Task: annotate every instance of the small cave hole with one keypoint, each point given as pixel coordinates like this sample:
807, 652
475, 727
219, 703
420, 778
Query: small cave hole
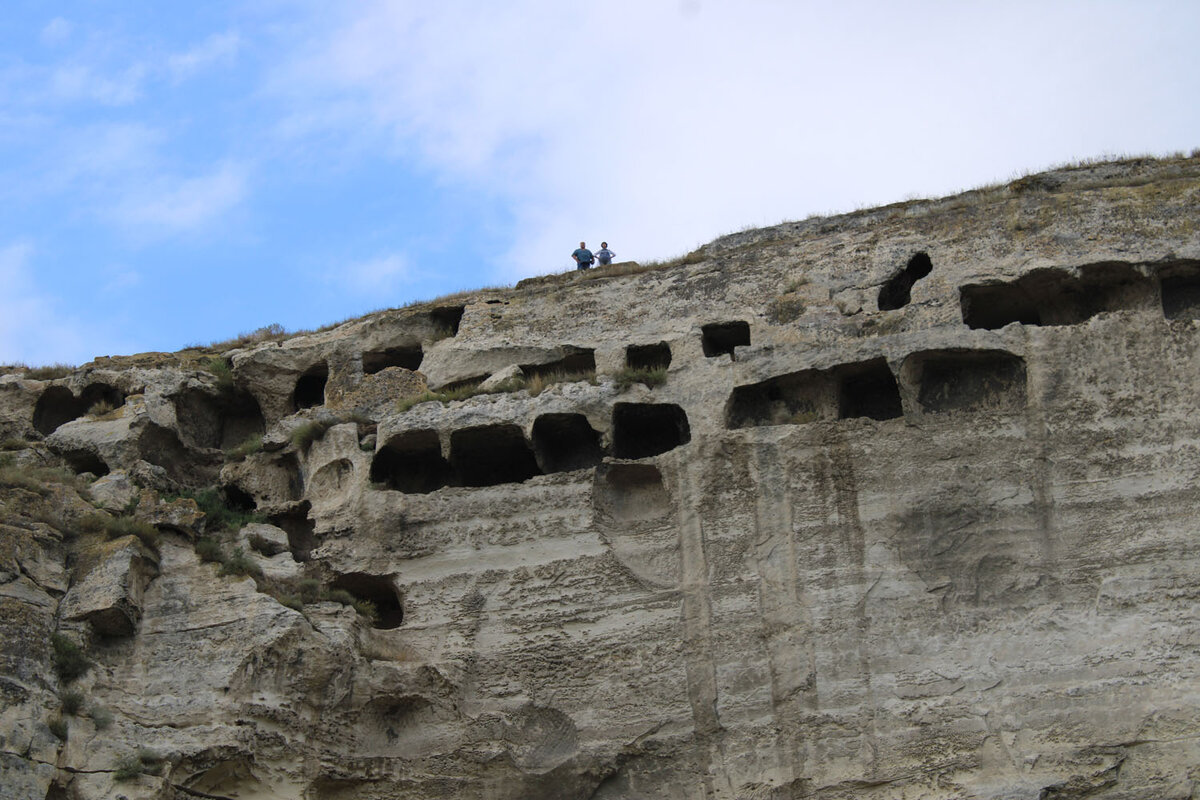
238, 499
310, 388
488, 455
101, 393
1180, 285
447, 319
565, 442
648, 356
896, 292
868, 389
631, 492
81, 461
641, 430
580, 361
991, 307
792, 399
217, 420
301, 531
720, 338
409, 358
56, 406
411, 462
379, 590
966, 380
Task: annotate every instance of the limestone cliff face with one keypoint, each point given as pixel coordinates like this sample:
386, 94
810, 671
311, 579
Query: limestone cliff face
899, 504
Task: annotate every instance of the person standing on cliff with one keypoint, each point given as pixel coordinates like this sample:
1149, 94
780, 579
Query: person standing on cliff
604, 256
583, 257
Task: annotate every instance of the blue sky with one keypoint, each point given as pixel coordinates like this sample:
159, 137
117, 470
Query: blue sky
180, 173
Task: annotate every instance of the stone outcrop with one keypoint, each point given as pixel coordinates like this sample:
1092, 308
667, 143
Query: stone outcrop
900, 503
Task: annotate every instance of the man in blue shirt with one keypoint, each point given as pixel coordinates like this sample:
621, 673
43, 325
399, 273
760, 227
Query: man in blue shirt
583, 257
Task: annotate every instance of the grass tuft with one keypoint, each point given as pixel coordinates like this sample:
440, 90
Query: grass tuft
49, 373
218, 515
238, 563
309, 432
58, 726
70, 662
72, 701
252, 445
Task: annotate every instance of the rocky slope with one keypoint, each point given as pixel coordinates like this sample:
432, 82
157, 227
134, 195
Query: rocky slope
897, 504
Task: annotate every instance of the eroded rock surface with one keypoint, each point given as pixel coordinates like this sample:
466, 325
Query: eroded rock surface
899, 504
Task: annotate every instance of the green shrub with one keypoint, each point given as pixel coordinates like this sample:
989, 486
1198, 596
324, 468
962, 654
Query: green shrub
131, 765
102, 718
221, 369
218, 515
58, 726
367, 609
70, 662
129, 526
309, 590
261, 544
249, 447
648, 376
339, 596
309, 432
209, 550
72, 701
292, 601
35, 479
238, 563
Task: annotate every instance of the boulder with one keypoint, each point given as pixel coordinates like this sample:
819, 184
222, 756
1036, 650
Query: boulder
108, 589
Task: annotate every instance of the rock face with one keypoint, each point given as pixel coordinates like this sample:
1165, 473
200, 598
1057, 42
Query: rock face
899, 504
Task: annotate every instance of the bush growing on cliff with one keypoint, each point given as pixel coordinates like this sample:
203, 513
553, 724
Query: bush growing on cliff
116, 527
144, 762
49, 372
58, 726
218, 515
238, 563
72, 701
70, 662
309, 432
249, 447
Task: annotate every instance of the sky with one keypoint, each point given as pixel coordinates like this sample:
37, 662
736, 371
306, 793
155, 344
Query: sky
179, 173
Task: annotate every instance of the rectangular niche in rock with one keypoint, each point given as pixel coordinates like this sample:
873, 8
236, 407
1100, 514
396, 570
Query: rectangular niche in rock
648, 356
406, 356
967, 381
578, 362
411, 462
446, 320
720, 338
488, 455
565, 442
641, 430
631, 492
846, 391
1181, 290
1056, 296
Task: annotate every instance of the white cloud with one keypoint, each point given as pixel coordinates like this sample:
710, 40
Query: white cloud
657, 126
377, 276
33, 329
169, 205
79, 81
220, 48
56, 32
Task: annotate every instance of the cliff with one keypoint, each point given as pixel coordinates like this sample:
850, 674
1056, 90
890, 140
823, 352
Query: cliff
896, 504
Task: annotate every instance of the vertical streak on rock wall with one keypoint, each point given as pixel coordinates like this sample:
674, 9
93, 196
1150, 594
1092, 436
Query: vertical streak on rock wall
697, 621
1041, 385
840, 478
786, 618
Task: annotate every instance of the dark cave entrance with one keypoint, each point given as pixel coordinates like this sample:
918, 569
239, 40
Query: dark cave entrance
648, 356
720, 338
488, 455
868, 389
310, 387
565, 442
411, 462
407, 357
896, 292
641, 430
379, 590
580, 361
447, 319
968, 380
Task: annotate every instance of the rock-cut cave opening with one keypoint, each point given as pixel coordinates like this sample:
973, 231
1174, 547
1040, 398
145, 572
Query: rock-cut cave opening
641, 430
720, 338
565, 442
411, 462
487, 455
310, 387
379, 590
896, 292
648, 356
968, 380
868, 389
407, 356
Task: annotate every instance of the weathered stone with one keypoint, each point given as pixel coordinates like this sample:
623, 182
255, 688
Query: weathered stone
107, 592
911, 514
501, 378
114, 491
